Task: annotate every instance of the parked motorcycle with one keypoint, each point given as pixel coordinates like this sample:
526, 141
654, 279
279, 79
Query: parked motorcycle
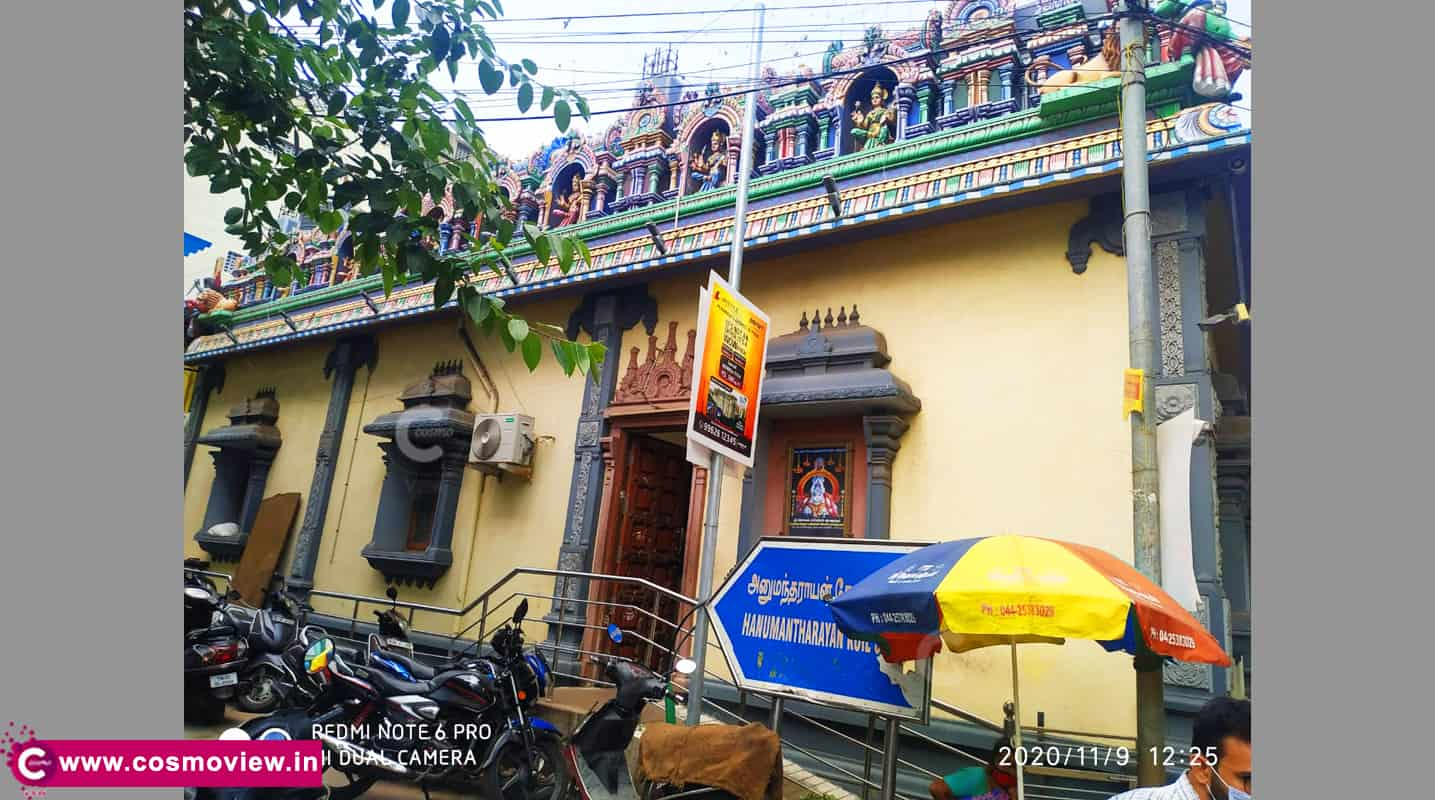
214, 648
274, 675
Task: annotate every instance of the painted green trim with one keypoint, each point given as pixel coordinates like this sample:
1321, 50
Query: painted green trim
1061, 16
1167, 87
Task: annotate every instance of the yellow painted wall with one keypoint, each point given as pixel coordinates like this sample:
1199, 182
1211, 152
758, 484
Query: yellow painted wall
1018, 365
1017, 361
296, 373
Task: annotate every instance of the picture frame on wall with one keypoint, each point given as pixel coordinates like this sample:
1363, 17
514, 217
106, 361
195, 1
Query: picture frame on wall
819, 491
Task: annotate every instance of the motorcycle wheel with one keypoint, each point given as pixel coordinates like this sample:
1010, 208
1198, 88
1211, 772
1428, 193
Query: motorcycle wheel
515, 777
260, 693
548, 773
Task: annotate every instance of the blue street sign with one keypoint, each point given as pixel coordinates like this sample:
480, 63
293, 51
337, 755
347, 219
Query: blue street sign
780, 636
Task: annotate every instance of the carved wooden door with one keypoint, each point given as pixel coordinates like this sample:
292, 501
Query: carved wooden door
652, 521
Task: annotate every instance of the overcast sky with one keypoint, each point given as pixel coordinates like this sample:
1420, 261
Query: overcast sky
603, 59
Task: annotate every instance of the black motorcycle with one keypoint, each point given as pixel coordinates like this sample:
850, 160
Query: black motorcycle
215, 650
274, 676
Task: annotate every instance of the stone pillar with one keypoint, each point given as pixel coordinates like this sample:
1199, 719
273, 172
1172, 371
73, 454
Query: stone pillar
824, 126
450, 483
210, 378
924, 103
1178, 236
949, 97
604, 317
904, 107
881, 433
259, 465
343, 362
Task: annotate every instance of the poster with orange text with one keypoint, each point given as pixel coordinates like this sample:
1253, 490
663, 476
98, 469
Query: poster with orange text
727, 375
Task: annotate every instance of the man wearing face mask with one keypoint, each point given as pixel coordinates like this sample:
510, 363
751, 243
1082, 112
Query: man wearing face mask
1220, 765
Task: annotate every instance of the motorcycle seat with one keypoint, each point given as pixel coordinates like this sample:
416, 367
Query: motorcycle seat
415, 667
391, 685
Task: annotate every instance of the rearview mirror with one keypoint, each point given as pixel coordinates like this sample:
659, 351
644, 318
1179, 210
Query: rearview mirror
687, 666
521, 612
391, 593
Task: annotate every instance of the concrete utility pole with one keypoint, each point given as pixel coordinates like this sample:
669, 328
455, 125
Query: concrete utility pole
1140, 297
734, 277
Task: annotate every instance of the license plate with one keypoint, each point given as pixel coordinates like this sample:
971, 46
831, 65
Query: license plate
226, 679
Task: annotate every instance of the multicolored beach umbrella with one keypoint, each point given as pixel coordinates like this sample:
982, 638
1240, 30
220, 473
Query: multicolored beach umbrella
1009, 590
995, 590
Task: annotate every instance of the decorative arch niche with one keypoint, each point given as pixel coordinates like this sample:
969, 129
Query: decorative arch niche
698, 144
564, 194
859, 88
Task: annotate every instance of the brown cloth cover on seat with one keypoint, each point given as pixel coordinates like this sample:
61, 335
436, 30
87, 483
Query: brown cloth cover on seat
745, 761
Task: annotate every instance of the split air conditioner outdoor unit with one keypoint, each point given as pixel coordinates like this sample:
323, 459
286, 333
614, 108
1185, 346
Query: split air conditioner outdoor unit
502, 441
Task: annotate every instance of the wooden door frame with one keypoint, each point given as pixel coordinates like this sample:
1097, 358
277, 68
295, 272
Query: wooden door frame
624, 425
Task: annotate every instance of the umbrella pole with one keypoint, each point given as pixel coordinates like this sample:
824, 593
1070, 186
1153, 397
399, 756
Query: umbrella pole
1018, 755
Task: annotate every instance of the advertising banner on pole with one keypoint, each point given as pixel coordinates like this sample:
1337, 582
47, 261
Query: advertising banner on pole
727, 374
780, 637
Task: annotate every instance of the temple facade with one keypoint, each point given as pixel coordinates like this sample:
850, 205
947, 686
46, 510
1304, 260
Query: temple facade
951, 343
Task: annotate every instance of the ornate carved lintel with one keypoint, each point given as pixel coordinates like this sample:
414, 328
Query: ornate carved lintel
1192, 676
1101, 227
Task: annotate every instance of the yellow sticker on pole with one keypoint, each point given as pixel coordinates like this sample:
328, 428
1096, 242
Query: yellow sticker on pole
1133, 393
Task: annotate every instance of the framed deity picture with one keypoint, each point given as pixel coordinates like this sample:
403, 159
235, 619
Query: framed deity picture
818, 494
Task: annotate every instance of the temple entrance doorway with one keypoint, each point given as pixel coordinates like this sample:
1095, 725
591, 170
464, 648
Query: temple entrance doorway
650, 516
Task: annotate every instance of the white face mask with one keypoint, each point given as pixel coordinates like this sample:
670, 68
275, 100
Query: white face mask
1231, 792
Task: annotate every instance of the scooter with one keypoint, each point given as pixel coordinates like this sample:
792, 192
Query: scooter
214, 651
274, 676
595, 755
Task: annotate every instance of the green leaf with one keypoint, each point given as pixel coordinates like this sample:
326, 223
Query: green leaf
525, 97
583, 251
582, 357
518, 329
541, 249
438, 43
489, 77
565, 253
233, 215
401, 14
530, 66
561, 115
464, 110
582, 107
563, 352
597, 353
442, 289
505, 232
532, 351
330, 221
473, 304
547, 98
387, 266
336, 102
505, 337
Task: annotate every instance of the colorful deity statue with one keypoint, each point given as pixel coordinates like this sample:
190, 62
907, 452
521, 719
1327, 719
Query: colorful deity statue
710, 168
1217, 66
568, 208
1105, 65
874, 127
